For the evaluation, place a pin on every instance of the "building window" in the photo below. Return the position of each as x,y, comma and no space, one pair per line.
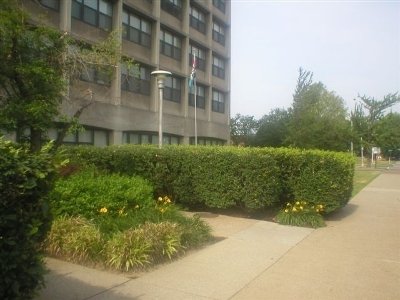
173,7
136,29
53,4
146,138
172,89
94,12
170,45
218,33
136,80
89,136
218,67
200,57
197,19
200,101
205,141
218,102
99,76
220,4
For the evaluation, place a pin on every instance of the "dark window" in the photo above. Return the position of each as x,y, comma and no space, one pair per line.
136,29
53,4
207,141
218,67
149,138
136,80
218,102
94,12
89,136
197,19
170,45
172,89
218,33
200,97
173,7
220,4
200,57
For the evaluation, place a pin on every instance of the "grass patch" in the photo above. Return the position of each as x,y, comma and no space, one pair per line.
362,178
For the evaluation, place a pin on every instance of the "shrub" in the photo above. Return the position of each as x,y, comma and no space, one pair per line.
301,213
321,177
90,194
75,239
25,179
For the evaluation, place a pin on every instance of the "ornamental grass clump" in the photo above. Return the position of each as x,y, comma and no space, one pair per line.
301,213
146,245
128,250
75,239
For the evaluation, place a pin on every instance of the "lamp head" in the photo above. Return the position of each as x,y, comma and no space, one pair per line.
160,74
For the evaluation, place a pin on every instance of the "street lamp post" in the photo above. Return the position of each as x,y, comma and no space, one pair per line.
160,76
362,154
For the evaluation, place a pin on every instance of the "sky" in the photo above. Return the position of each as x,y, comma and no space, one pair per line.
352,47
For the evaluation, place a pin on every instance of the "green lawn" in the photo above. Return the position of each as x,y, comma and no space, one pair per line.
362,177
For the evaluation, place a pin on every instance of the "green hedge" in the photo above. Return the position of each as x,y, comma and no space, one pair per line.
223,177
25,179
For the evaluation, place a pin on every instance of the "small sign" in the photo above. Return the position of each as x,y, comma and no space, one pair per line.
376,150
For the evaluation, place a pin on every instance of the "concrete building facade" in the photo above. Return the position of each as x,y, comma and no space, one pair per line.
158,35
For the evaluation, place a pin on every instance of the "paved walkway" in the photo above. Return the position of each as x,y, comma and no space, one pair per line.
357,256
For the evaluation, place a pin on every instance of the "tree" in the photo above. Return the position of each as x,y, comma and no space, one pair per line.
243,129
388,134
37,67
31,73
318,117
304,82
273,129
367,114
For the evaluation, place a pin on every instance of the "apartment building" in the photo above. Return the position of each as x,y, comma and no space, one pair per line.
158,35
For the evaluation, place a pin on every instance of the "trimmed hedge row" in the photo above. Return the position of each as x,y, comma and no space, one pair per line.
223,177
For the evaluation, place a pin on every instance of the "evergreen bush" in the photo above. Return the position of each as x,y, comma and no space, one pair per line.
25,179
87,192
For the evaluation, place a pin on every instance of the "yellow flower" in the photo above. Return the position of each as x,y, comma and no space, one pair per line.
303,202
103,210
160,199
297,203
294,209
301,207
317,210
286,210
288,204
162,210
136,206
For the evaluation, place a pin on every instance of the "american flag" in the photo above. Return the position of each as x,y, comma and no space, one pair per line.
193,73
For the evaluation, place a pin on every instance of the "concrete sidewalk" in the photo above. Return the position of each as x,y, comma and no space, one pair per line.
357,256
